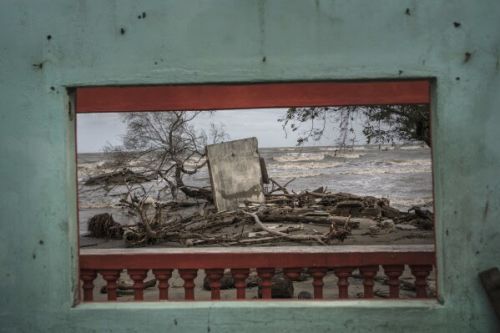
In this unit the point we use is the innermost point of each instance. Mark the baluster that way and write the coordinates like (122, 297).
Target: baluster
(292, 273)
(318, 273)
(343, 274)
(111, 275)
(188, 275)
(421, 272)
(138, 276)
(266, 274)
(368, 273)
(393, 272)
(88, 276)
(163, 275)
(240, 276)
(214, 276)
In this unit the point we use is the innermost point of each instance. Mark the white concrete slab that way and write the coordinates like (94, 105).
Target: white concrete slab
(235, 173)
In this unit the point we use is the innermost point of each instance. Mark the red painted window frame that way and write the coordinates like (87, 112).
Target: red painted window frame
(250, 95)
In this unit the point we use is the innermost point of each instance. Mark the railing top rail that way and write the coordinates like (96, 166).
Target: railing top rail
(262, 250)
(242, 257)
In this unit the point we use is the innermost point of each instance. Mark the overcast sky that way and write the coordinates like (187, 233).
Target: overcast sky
(95, 131)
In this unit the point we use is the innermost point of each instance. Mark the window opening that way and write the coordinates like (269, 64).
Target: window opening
(337, 177)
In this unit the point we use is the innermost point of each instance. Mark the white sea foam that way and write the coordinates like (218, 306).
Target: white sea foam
(406, 203)
(379, 171)
(303, 166)
(347, 155)
(303, 157)
(416, 162)
(301, 174)
(299, 157)
(412, 147)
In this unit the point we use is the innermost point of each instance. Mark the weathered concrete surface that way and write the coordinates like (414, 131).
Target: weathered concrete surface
(235, 173)
(194, 41)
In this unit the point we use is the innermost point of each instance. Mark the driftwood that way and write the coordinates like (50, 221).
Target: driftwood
(306, 215)
(340, 234)
(295, 218)
(206, 230)
(121, 177)
(279, 187)
(197, 192)
(284, 235)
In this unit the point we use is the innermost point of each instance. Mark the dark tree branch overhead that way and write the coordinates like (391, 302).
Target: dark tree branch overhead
(381, 123)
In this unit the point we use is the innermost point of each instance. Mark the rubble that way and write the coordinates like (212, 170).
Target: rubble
(374, 230)
(281, 287)
(387, 224)
(226, 282)
(304, 295)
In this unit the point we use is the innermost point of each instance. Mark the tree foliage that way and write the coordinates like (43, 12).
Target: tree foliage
(166, 145)
(381, 123)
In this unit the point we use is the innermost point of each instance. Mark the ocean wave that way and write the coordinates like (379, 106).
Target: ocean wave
(424, 163)
(304, 157)
(298, 157)
(415, 162)
(346, 155)
(302, 166)
(300, 174)
(407, 203)
(380, 171)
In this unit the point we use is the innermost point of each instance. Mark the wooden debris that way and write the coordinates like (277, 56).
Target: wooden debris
(121, 177)
(323, 239)
(251, 223)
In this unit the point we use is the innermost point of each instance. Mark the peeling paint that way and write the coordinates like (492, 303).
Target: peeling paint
(39, 65)
(467, 57)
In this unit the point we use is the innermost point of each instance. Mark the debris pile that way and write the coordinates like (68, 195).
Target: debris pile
(311, 217)
(239, 210)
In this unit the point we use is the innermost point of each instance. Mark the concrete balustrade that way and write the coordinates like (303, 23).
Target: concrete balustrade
(316, 262)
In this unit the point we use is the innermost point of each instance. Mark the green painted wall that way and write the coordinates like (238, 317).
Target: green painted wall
(223, 41)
